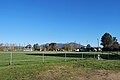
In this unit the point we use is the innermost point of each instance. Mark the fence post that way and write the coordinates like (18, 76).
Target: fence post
(82, 55)
(65, 56)
(10, 58)
(43, 57)
(108, 56)
(94, 55)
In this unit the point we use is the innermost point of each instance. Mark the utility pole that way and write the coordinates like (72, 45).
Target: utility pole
(98, 49)
(82, 55)
(87, 42)
(98, 44)
(24, 47)
(19, 47)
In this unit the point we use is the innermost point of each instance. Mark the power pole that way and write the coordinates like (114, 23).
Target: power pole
(98, 44)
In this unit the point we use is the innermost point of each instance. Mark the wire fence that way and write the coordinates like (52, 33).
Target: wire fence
(21, 58)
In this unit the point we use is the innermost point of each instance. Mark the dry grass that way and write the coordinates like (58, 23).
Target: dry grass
(68, 72)
(30, 67)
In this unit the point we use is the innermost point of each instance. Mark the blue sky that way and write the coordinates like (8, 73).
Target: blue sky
(42, 21)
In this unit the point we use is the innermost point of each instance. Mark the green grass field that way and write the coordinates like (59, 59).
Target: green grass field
(30, 66)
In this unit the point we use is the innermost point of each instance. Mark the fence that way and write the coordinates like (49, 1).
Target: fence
(21, 58)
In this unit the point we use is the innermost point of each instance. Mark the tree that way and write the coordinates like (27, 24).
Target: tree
(88, 47)
(115, 44)
(67, 47)
(78, 46)
(45, 47)
(1, 47)
(36, 47)
(106, 40)
(114, 39)
(52, 47)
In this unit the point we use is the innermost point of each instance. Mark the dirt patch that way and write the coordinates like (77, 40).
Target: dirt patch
(102, 75)
(67, 72)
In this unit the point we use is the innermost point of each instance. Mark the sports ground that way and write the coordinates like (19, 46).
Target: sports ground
(59, 66)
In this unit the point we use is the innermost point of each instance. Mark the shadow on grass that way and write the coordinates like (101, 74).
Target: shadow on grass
(84, 55)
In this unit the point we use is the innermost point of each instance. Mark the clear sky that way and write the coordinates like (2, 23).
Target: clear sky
(42, 21)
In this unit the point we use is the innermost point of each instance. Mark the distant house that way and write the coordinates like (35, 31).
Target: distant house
(28, 48)
(77, 50)
(83, 49)
(97, 49)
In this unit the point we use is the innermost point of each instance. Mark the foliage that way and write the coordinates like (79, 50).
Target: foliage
(67, 47)
(106, 40)
(52, 47)
(114, 39)
(115, 46)
(36, 47)
(45, 47)
(1, 47)
(109, 43)
(88, 47)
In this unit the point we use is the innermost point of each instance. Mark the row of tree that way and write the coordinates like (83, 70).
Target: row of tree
(55, 47)
(108, 42)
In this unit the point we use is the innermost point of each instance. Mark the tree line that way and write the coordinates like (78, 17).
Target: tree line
(108, 42)
(55, 47)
